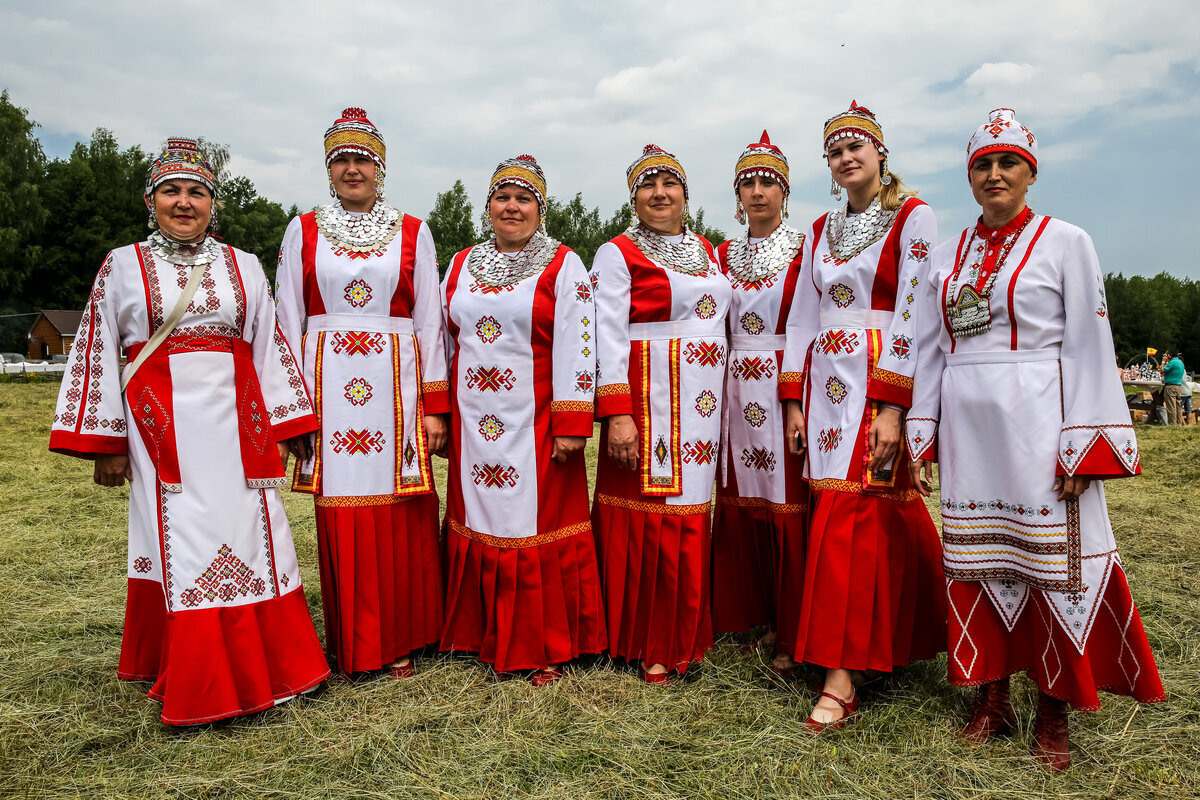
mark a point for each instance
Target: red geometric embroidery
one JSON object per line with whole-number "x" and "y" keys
{"x": 756, "y": 286}
{"x": 700, "y": 451}
{"x": 490, "y": 379}
{"x": 901, "y": 345}
{"x": 759, "y": 458}
{"x": 410, "y": 453}
{"x": 706, "y": 403}
{"x": 996, "y": 128}
{"x": 835, "y": 390}
{"x": 487, "y": 329}
{"x": 484, "y": 289}
{"x": 494, "y": 476}
{"x": 583, "y": 382}
{"x": 253, "y": 420}
{"x": 226, "y": 577}
{"x": 661, "y": 451}
{"x": 358, "y": 391}
{"x": 353, "y": 254}
{"x": 706, "y": 307}
{"x": 357, "y": 343}
{"x": 829, "y": 439}
{"x": 752, "y": 323}
{"x": 755, "y": 415}
{"x": 357, "y": 442}
{"x": 841, "y": 294}
{"x": 918, "y": 249}
{"x": 142, "y": 564}
{"x": 753, "y": 368}
{"x": 837, "y": 342}
{"x": 583, "y": 292}
{"x": 491, "y": 428}
{"x": 706, "y": 354}
{"x": 284, "y": 580}
{"x": 357, "y": 293}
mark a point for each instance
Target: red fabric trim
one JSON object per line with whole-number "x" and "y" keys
{"x": 572, "y": 423}
{"x": 436, "y": 402}
{"x": 1100, "y": 463}
{"x": 308, "y": 260}
{"x": 886, "y": 387}
{"x": 454, "y": 497}
{"x": 404, "y": 296}
{"x": 609, "y": 405}
{"x": 789, "y": 291}
{"x": 142, "y": 637}
{"x": 650, "y": 288}
{"x": 887, "y": 272}
{"x": 297, "y": 426}
{"x": 87, "y": 445}
{"x": 1012, "y": 284}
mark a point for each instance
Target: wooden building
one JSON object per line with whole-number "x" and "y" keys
{"x": 52, "y": 334}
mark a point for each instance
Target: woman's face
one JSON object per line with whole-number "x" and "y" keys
{"x": 515, "y": 216}
{"x": 659, "y": 201}
{"x": 762, "y": 200}
{"x": 353, "y": 178}
{"x": 183, "y": 209}
{"x": 854, "y": 164}
{"x": 999, "y": 182}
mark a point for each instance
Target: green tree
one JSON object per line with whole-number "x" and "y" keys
{"x": 452, "y": 224}
{"x": 22, "y": 169}
{"x": 575, "y": 226}
{"x": 251, "y": 222}
{"x": 714, "y": 235}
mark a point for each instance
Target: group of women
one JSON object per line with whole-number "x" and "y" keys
{"x": 812, "y": 377}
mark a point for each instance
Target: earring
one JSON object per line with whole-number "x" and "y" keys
{"x": 687, "y": 216}
{"x": 633, "y": 217}
{"x": 886, "y": 178}
{"x": 212, "y": 221}
{"x": 785, "y": 213}
{"x": 332, "y": 191}
{"x": 380, "y": 195}
{"x": 835, "y": 191}
{"x": 485, "y": 222}
{"x": 740, "y": 214}
{"x": 153, "y": 221}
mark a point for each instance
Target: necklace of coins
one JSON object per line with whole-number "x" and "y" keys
{"x": 489, "y": 267}
{"x": 182, "y": 253}
{"x": 848, "y": 235}
{"x": 687, "y": 256}
{"x": 972, "y": 315}
{"x": 359, "y": 233}
{"x": 750, "y": 263}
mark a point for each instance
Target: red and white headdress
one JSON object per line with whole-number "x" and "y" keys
{"x": 654, "y": 159}
{"x": 181, "y": 158}
{"x": 857, "y": 122}
{"x": 523, "y": 171}
{"x": 762, "y": 158}
{"x": 354, "y": 133}
{"x": 1002, "y": 132}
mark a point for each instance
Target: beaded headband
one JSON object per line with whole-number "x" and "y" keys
{"x": 654, "y": 159}
{"x": 1002, "y": 132}
{"x": 762, "y": 158}
{"x": 181, "y": 158}
{"x": 354, "y": 133}
{"x": 857, "y": 123}
{"x": 523, "y": 171}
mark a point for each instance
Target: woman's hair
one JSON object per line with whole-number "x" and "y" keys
{"x": 891, "y": 195}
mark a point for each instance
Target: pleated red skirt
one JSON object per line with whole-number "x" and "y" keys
{"x": 523, "y": 607}
{"x": 214, "y": 663}
{"x": 1116, "y": 658}
{"x": 873, "y": 596}
{"x": 380, "y": 581}
{"x": 656, "y": 573}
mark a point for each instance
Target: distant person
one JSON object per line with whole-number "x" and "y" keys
{"x": 1015, "y": 390}
{"x": 215, "y": 614}
{"x": 1173, "y": 389}
{"x": 1185, "y": 397}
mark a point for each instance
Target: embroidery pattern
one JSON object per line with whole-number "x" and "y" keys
{"x": 583, "y": 382}
{"x": 358, "y": 391}
{"x": 491, "y": 428}
{"x": 901, "y": 345}
{"x": 752, "y": 323}
{"x": 841, "y": 294}
{"x": 583, "y": 292}
{"x": 1029, "y": 510}
{"x": 661, "y": 451}
{"x": 357, "y": 442}
{"x": 755, "y": 415}
{"x": 490, "y": 379}
{"x": 835, "y": 390}
{"x": 294, "y": 380}
{"x": 494, "y": 476}
{"x": 759, "y": 458}
{"x": 918, "y": 249}
{"x": 829, "y": 439}
{"x": 700, "y": 451}
{"x": 357, "y": 343}
{"x": 706, "y": 403}
{"x": 357, "y": 293}
{"x": 837, "y": 342}
{"x": 706, "y": 354}
{"x": 142, "y": 564}
{"x": 706, "y": 307}
{"x": 487, "y": 329}
{"x": 753, "y": 368}
{"x": 226, "y": 577}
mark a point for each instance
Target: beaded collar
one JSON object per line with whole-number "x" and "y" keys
{"x": 688, "y": 255}
{"x": 489, "y": 267}
{"x": 750, "y": 263}
{"x": 850, "y": 234}
{"x": 359, "y": 233}
{"x": 184, "y": 254}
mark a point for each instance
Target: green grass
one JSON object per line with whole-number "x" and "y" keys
{"x": 68, "y": 727}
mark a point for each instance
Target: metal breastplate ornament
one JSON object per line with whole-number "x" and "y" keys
{"x": 489, "y": 267}
{"x": 359, "y": 233}
{"x": 688, "y": 256}
{"x": 968, "y": 305}
{"x": 750, "y": 263}
{"x": 184, "y": 254}
{"x": 850, "y": 234}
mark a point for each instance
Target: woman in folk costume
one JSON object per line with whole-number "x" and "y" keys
{"x": 872, "y": 596}
{"x": 358, "y": 301}
{"x": 762, "y": 501}
{"x": 523, "y": 590}
{"x": 1016, "y": 398}
{"x": 215, "y": 614}
{"x": 661, "y": 303}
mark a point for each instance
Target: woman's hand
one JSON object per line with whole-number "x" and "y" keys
{"x": 284, "y": 450}
{"x": 884, "y": 439}
{"x": 435, "y": 433}
{"x": 565, "y": 445}
{"x": 797, "y": 439}
{"x": 921, "y": 472}
{"x": 112, "y": 470}
{"x": 302, "y": 446}
{"x": 623, "y": 441}
{"x": 1069, "y": 487}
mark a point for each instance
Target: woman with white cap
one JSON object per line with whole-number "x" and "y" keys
{"x": 197, "y": 422}
{"x": 872, "y": 596}
{"x": 1016, "y": 399}
{"x": 358, "y": 304}
{"x": 661, "y": 304}
{"x": 762, "y": 500}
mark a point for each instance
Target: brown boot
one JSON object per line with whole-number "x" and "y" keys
{"x": 1051, "y": 733}
{"x": 993, "y": 713}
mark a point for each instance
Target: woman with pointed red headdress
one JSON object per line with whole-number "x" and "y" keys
{"x": 762, "y": 500}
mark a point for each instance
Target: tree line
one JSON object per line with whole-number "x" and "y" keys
{"x": 59, "y": 217}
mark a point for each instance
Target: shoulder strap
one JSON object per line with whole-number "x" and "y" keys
{"x": 160, "y": 335}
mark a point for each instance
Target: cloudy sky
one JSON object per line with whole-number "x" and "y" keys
{"x": 1110, "y": 87}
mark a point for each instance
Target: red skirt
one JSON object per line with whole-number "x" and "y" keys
{"x": 656, "y": 572}
{"x": 523, "y": 607}
{"x": 214, "y": 663}
{"x": 873, "y": 595}
{"x": 1116, "y": 658}
{"x": 380, "y": 581}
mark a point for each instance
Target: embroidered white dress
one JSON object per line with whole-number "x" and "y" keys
{"x": 1006, "y": 411}
{"x": 216, "y": 614}
{"x": 523, "y": 589}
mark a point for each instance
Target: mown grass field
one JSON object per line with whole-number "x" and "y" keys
{"x": 68, "y": 727}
